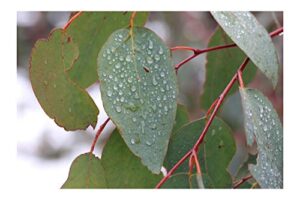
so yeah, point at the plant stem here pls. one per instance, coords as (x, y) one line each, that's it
(216, 108)
(198, 52)
(98, 134)
(72, 19)
(243, 180)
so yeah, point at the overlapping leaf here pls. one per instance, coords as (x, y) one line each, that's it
(62, 100)
(118, 168)
(215, 152)
(139, 89)
(262, 123)
(221, 66)
(253, 39)
(89, 31)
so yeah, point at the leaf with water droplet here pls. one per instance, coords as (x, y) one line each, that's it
(269, 138)
(117, 168)
(221, 66)
(152, 125)
(62, 100)
(90, 30)
(253, 39)
(213, 157)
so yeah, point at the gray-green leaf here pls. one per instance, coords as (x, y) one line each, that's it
(253, 39)
(139, 90)
(262, 123)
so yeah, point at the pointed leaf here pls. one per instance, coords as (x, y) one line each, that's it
(262, 123)
(62, 100)
(118, 168)
(215, 152)
(90, 30)
(139, 89)
(253, 39)
(221, 66)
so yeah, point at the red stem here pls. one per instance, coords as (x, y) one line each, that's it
(201, 51)
(216, 108)
(243, 180)
(98, 134)
(71, 20)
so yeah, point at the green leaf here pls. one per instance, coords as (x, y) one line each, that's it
(139, 89)
(262, 123)
(215, 152)
(253, 39)
(184, 180)
(89, 31)
(118, 168)
(182, 117)
(221, 66)
(62, 100)
(86, 172)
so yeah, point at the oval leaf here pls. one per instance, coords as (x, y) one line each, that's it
(253, 39)
(62, 100)
(220, 67)
(262, 123)
(139, 89)
(118, 168)
(89, 31)
(215, 153)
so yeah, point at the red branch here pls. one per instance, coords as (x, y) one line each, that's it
(243, 180)
(98, 134)
(212, 116)
(198, 52)
(71, 20)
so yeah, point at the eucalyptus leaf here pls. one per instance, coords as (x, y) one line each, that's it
(215, 152)
(263, 125)
(117, 168)
(62, 99)
(89, 31)
(253, 39)
(221, 66)
(139, 90)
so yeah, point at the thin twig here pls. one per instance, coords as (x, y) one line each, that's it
(72, 19)
(243, 180)
(216, 108)
(98, 134)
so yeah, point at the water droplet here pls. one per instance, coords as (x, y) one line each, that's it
(156, 66)
(154, 82)
(54, 85)
(118, 65)
(158, 98)
(160, 51)
(150, 44)
(213, 132)
(149, 60)
(121, 58)
(46, 62)
(265, 128)
(70, 109)
(129, 80)
(156, 57)
(166, 108)
(120, 85)
(133, 88)
(162, 74)
(122, 99)
(46, 82)
(153, 126)
(109, 93)
(148, 143)
(128, 58)
(134, 119)
(118, 109)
